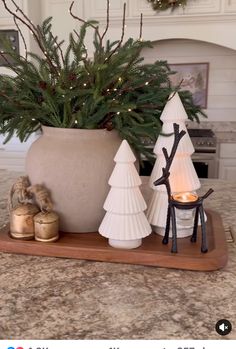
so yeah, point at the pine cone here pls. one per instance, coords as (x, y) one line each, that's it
(109, 126)
(72, 77)
(43, 85)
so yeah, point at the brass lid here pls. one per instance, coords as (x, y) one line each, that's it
(26, 209)
(46, 217)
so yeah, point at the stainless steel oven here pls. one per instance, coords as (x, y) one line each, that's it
(205, 159)
(206, 165)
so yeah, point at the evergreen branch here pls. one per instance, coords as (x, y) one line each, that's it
(47, 41)
(149, 106)
(133, 88)
(2, 54)
(85, 50)
(122, 93)
(58, 46)
(8, 63)
(10, 99)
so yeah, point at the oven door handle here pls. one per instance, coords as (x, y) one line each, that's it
(202, 157)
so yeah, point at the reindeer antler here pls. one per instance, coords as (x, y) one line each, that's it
(169, 158)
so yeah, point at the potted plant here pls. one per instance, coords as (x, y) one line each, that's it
(84, 106)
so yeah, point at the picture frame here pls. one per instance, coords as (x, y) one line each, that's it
(194, 78)
(13, 36)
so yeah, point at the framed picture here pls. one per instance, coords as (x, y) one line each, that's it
(194, 77)
(13, 36)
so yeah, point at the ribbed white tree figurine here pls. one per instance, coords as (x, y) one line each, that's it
(125, 223)
(183, 177)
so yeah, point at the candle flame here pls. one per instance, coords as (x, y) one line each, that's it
(185, 197)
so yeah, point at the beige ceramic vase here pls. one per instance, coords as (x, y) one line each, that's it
(75, 165)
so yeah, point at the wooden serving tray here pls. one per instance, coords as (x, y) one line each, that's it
(93, 246)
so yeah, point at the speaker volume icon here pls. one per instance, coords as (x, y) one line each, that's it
(223, 327)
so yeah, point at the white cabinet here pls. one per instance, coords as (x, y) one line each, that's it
(12, 161)
(227, 169)
(5, 16)
(13, 154)
(230, 6)
(227, 163)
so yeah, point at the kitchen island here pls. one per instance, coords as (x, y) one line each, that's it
(55, 298)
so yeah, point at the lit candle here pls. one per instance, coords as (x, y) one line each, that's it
(185, 197)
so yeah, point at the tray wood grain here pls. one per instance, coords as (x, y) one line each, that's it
(92, 246)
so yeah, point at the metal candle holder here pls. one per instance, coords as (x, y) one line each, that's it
(173, 203)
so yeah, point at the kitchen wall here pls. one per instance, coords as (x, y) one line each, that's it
(206, 20)
(222, 71)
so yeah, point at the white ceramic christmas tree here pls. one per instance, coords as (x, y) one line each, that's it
(125, 223)
(183, 177)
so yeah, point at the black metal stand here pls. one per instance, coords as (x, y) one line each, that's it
(198, 205)
(172, 203)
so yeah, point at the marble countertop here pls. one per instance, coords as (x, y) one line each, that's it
(56, 298)
(226, 136)
(225, 131)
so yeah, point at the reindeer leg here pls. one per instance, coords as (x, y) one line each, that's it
(167, 230)
(174, 230)
(194, 236)
(204, 248)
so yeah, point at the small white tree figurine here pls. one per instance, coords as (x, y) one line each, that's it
(125, 223)
(183, 177)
